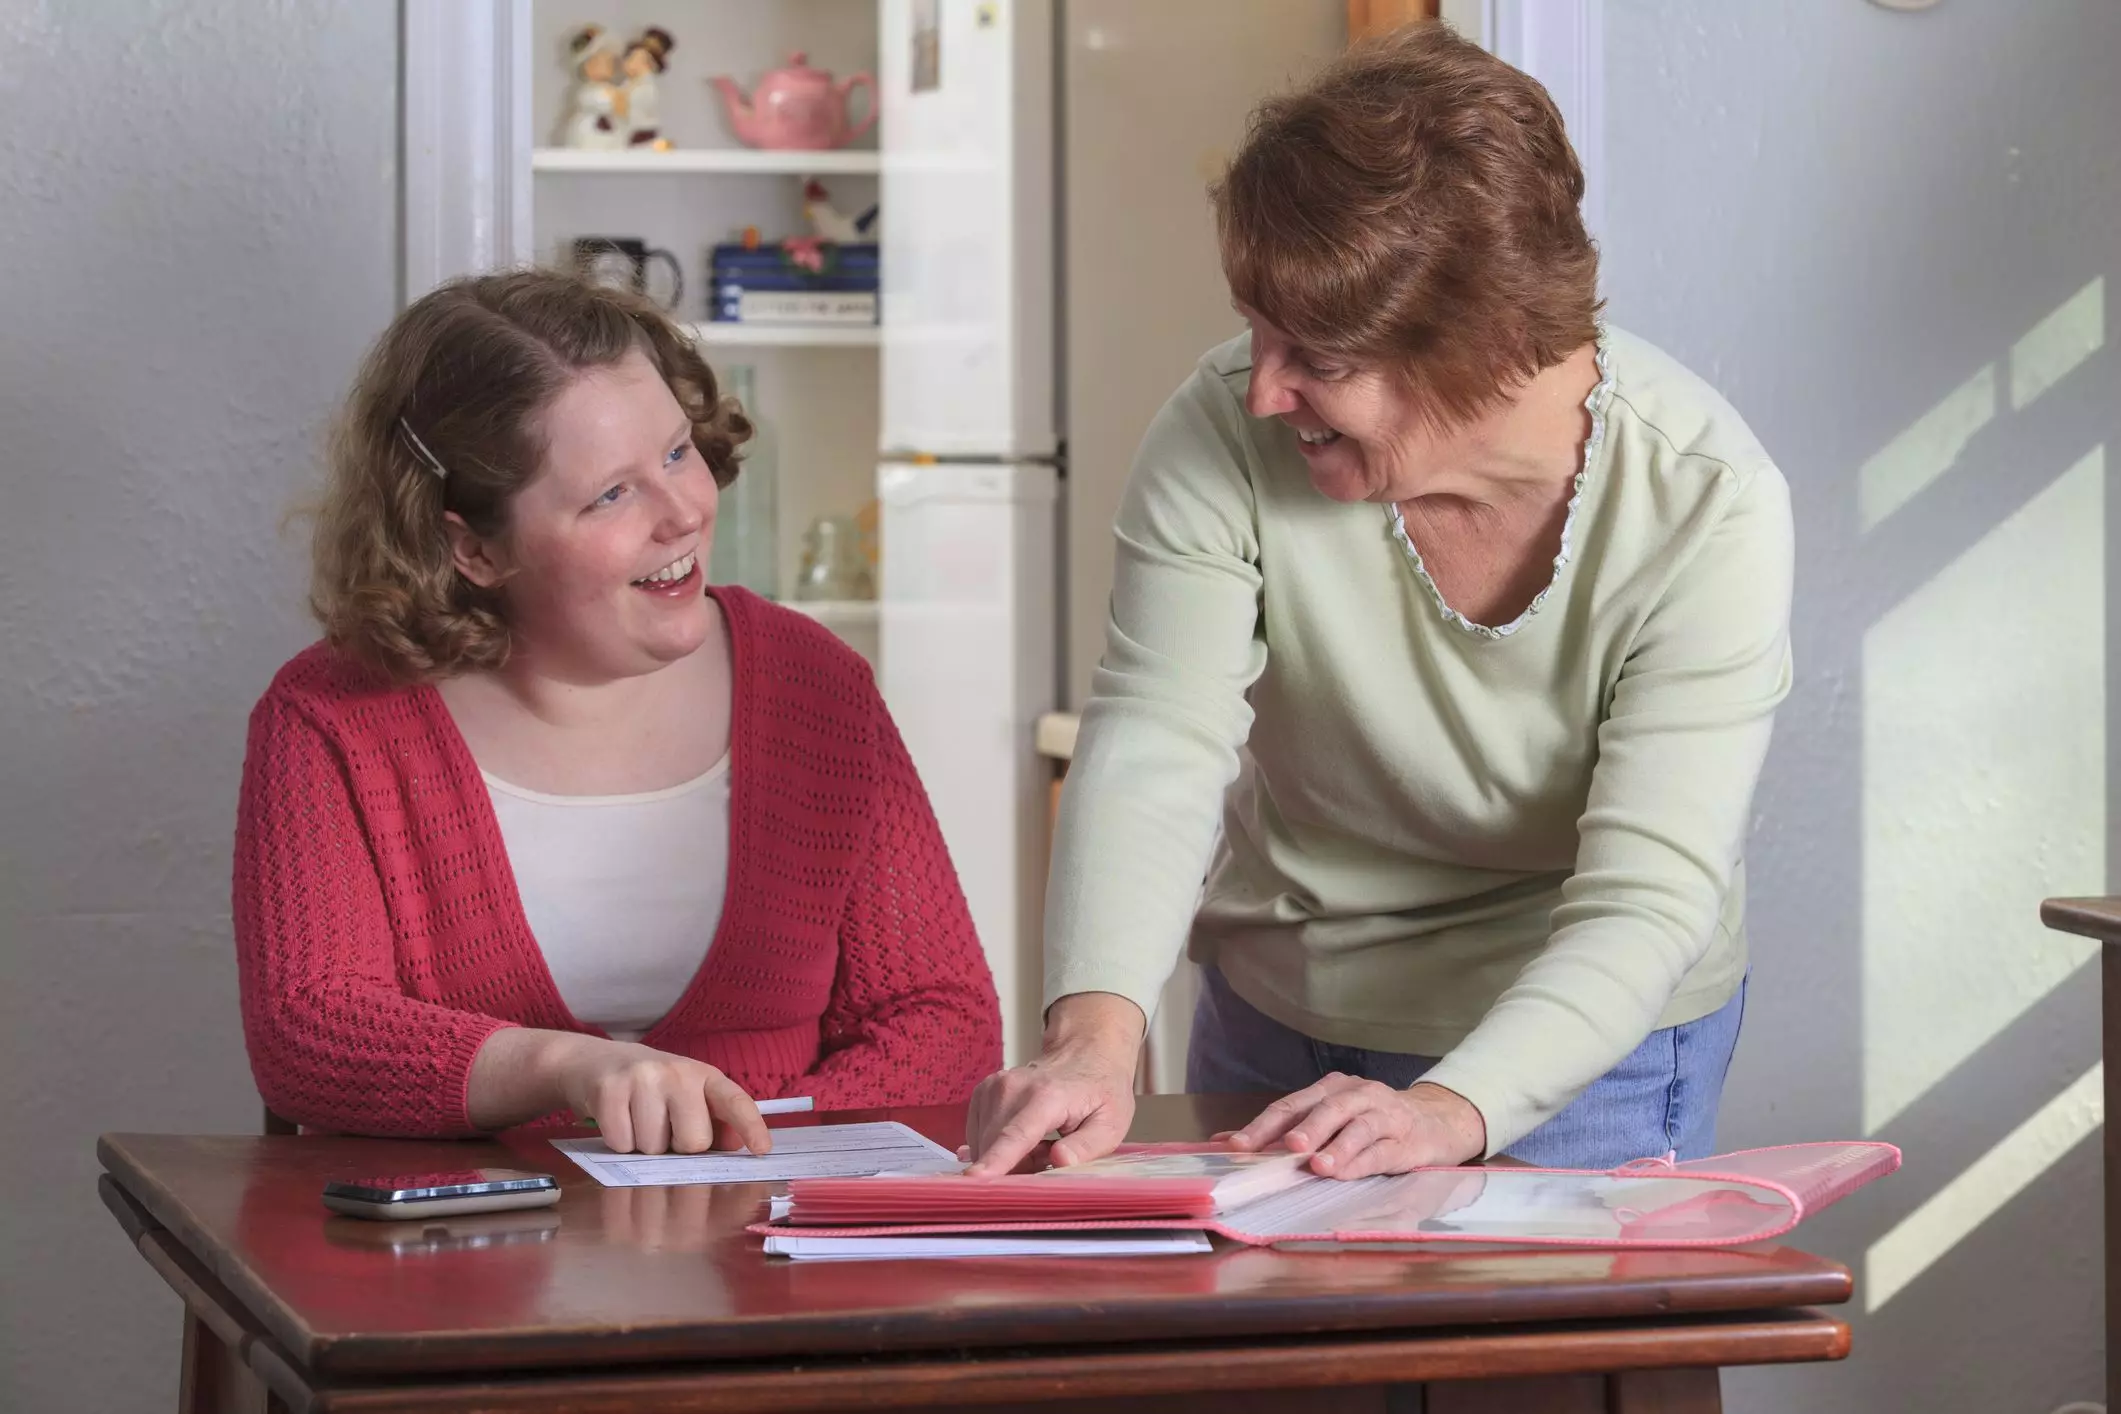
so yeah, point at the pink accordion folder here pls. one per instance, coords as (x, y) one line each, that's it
(1271, 1198)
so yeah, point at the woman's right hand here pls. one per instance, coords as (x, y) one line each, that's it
(647, 1101)
(1082, 1085)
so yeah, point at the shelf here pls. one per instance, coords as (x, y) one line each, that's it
(835, 612)
(840, 162)
(785, 336)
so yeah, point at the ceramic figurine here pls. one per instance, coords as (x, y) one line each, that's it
(827, 221)
(645, 59)
(593, 121)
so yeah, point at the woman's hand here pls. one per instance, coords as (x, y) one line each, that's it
(647, 1101)
(1081, 1085)
(1353, 1128)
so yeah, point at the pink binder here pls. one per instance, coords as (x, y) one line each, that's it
(1750, 1196)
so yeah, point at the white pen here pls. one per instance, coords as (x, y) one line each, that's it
(794, 1104)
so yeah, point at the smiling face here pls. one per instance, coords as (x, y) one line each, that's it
(1363, 435)
(604, 561)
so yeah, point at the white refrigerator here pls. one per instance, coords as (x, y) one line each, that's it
(969, 445)
(1050, 277)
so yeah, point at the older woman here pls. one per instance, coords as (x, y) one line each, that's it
(1465, 616)
(547, 825)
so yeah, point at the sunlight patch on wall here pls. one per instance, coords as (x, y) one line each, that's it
(2046, 355)
(1926, 450)
(2058, 343)
(1984, 788)
(1980, 1192)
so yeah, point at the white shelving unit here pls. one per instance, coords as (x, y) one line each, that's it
(855, 621)
(718, 333)
(754, 161)
(837, 611)
(816, 386)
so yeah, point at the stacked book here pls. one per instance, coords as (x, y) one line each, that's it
(809, 283)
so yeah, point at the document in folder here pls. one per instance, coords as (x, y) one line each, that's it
(1733, 1198)
(815, 1151)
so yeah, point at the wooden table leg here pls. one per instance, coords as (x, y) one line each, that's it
(1682, 1391)
(215, 1380)
(1679, 1391)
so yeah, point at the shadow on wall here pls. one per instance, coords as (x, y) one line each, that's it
(1983, 595)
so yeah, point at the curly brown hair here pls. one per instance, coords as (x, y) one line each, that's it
(466, 372)
(1414, 207)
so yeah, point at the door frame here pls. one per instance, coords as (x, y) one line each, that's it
(464, 129)
(1562, 44)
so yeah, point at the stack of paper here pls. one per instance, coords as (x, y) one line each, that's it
(818, 1151)
(1139, 1182)
(1022, 1244)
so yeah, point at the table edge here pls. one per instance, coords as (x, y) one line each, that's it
(1197, 1320)
(254, 1300)
(2087, 917)
(1300, 1361)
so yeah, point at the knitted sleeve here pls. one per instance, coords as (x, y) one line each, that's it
(913, 1017)
(334, 1040)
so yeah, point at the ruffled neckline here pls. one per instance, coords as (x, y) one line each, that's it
(1595, 405)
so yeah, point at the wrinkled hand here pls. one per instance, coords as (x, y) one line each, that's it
(651, 1102)
(1353, 1128)
(1082, 1086)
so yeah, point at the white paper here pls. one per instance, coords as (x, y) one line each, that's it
(1099, 1244)
(821, 1151)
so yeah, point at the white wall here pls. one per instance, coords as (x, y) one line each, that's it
(197, 237)
(1892, 241)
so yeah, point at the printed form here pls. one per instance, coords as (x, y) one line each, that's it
(819, 1151)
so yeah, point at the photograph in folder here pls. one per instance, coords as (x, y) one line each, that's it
(1148, 1181)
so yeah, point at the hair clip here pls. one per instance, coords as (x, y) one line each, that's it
(432, 462)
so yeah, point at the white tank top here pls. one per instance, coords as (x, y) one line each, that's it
(622, 892)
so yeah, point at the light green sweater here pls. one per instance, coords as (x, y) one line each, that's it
(1517, 848)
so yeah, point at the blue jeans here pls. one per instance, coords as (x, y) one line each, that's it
(1661, 1097)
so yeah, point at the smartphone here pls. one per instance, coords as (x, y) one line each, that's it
(397, 1197)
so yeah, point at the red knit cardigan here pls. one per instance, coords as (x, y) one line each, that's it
(381, 940)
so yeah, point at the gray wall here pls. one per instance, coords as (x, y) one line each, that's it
(1891, 241)
(197, 238)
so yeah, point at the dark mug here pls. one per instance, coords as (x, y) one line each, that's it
(622, 263)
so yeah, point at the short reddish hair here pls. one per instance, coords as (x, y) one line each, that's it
(1415, 206)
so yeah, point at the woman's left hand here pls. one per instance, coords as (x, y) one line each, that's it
(1353, 1128)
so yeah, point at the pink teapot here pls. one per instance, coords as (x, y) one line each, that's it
(796, 107)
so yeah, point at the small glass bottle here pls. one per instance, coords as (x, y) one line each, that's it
(746, 525)
(833, 564)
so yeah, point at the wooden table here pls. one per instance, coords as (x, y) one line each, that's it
(635, 1299)
(2101, 918)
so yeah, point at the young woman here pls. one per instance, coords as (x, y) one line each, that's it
(545, 824)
